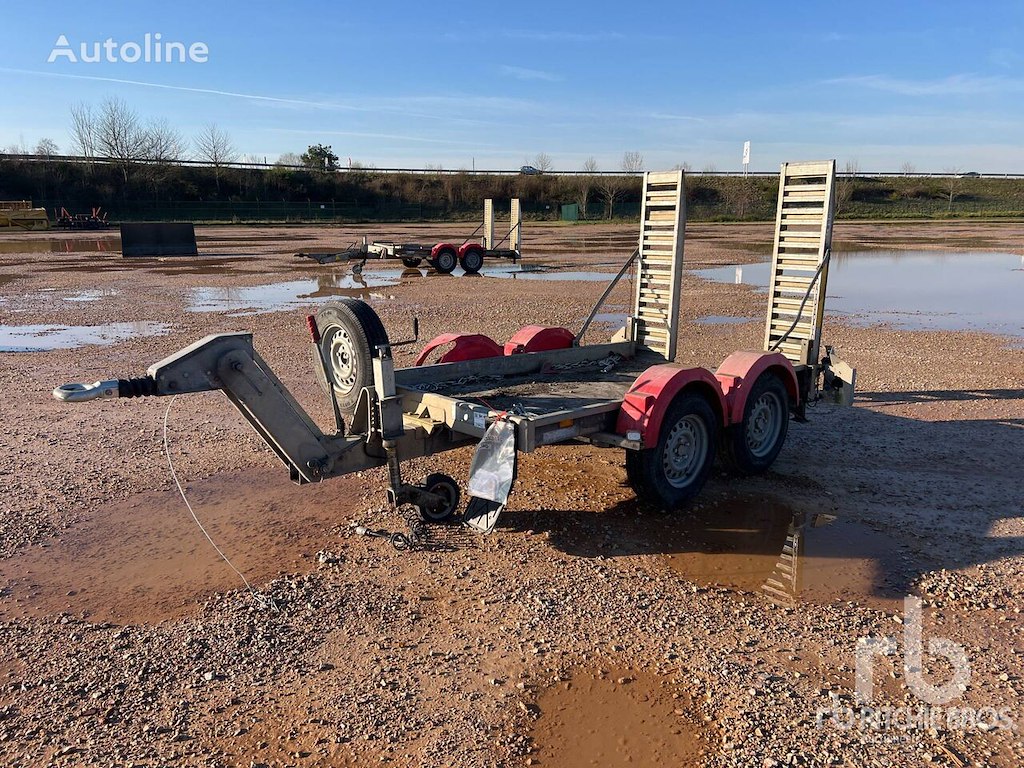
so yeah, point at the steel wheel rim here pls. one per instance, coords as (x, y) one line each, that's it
(474, 260)
(686, 447)
(446, 260)
(341, 358)
(764, 424)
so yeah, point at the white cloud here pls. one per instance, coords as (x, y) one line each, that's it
(522, 73)
(954, 85)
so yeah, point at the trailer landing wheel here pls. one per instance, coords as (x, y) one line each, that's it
(753, 445)
(445, 262)
(674, 471)
(472, 260)
(349, 332)
(411, 261)
(446, 488)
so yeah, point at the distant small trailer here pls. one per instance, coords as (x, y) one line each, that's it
(543, 386)
(96, 219)
(444, 257)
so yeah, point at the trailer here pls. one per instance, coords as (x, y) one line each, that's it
(96, 219)
(445, 256)
(544, 386)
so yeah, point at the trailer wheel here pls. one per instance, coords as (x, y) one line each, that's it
(448, 489)
(349, 332)
(445, 261)
(472, 260)
(753, 445)
(674, 471)
(411, 261)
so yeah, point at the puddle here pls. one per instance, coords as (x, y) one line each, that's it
(532, 272)
(86, 296)
(84, 245)
(594, 720)
(723, 320)
(289, 295)
(915, 290)
(143, 559)
(765, 546)
(44, 338)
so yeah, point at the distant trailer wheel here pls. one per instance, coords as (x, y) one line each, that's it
(472, 260)
(445, 261)
(753, 445)
(673, 472)
(445, 487)
(411, 261)
(349, 332)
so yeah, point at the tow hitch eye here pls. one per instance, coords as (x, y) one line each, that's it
(79, 393)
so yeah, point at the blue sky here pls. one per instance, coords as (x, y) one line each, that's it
(938, 85)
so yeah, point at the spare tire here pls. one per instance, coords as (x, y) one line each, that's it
(350, 332)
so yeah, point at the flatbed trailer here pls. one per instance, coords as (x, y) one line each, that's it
(671, 421)
(443, 256)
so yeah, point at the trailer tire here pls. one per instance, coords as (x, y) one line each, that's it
(445, 486)
(350, 331)
(472, 261)
(752, 446)
(445, 262)
(673, 472)
(411, 261)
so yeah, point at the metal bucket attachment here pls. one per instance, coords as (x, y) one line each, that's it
(162, 239)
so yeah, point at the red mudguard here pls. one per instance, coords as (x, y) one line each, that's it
(467, 346)
(539, 338)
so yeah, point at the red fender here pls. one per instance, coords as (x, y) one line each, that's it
(468, 346)
(443, 247)
(646, 402)
(740, 370)
(539, 338)
(467, 247)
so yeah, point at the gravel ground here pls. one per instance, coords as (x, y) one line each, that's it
(588, 626)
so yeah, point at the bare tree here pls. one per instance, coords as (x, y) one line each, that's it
(683, 166)
(845, 182)
(83, 130)
(611, 189)
(46, 148)
(215, 147)
(632, 162)
(908, 169)
(165, 144)
(289, 158)
(120, 135)
(952, 184)
(584, 183)
(542, 162)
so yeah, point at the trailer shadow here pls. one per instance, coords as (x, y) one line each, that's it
(867, 501)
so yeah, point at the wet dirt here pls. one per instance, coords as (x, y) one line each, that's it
(618, 718)
(285, 296)
(145, 559)
(43, 338)
(76, 245)
(765, 545)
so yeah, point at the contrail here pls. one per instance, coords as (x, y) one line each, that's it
(188, 89)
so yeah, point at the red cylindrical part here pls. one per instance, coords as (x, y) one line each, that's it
(314, 332)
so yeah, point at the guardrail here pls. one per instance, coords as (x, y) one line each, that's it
(454, 172)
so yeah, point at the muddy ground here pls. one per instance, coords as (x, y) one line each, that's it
(588, 629)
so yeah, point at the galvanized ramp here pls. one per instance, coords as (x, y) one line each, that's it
(660, 263)
(799, 274)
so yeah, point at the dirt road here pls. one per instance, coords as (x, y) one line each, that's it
(588, 629)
